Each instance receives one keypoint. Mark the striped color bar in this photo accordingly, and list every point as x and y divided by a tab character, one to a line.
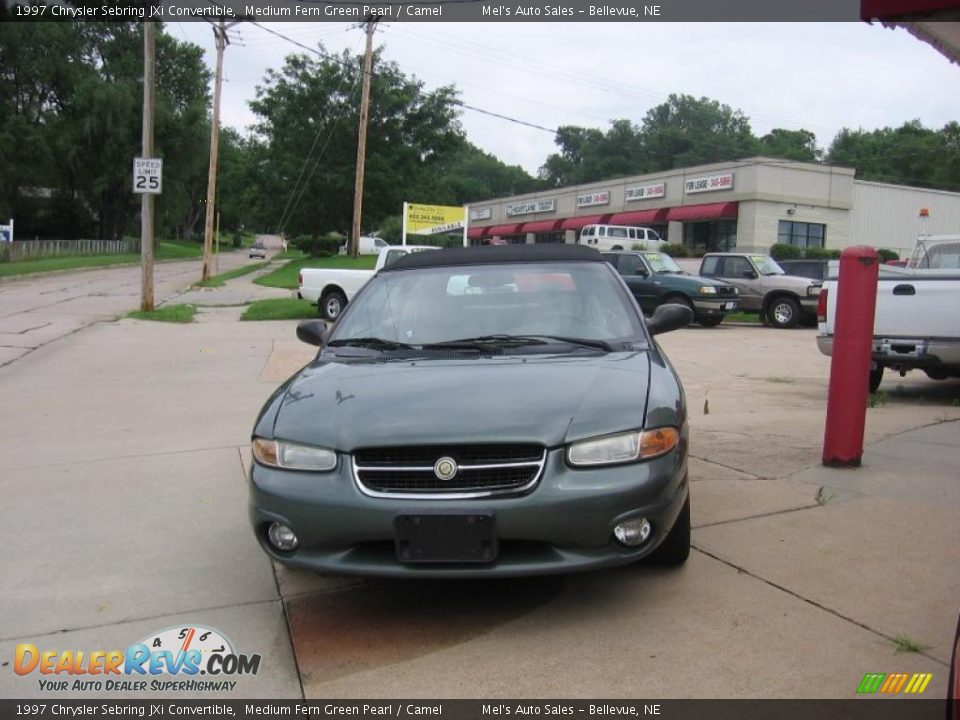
893	683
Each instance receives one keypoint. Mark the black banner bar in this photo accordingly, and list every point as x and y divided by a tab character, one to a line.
442	10
859	709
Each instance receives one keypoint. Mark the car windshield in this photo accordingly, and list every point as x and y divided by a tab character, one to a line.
767	265
662	263
491	304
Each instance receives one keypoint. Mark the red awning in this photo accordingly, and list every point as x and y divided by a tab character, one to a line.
576	223
712	211
640	217
513	229
541	226
476	232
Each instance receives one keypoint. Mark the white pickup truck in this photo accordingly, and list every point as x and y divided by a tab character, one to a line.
330	289
917	319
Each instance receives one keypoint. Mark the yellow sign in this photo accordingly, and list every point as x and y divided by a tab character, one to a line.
433	219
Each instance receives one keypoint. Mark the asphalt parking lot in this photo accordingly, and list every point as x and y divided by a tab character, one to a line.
124	513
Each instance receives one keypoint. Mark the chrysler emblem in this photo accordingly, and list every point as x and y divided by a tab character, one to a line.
445	468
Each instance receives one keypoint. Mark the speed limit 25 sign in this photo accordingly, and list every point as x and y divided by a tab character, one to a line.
148	175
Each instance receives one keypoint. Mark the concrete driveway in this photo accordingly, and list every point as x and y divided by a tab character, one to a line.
123	477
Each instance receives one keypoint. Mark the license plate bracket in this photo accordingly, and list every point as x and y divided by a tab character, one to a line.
446	538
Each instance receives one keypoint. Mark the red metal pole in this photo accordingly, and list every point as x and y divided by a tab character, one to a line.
850	361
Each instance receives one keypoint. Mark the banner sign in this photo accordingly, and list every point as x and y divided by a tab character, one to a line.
645	192
597	198
709	184
6	232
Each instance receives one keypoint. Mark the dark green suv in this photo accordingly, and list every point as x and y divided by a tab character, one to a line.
655	280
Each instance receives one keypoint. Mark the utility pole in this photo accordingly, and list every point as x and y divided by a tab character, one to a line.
220	34
146	200
354	247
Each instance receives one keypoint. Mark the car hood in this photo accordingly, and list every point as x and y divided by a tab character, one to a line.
687	280
548	400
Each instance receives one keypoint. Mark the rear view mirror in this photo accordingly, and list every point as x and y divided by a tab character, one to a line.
312	332
669	317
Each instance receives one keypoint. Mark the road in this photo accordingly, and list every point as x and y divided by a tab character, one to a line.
39	309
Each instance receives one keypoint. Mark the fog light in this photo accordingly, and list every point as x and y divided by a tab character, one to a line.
633	532
282	537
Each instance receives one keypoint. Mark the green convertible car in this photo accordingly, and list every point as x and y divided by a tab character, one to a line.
489	411
656	279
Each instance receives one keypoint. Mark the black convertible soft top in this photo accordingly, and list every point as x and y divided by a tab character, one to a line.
495	255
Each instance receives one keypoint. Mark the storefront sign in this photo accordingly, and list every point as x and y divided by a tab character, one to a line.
598	198
530	208
483	213
709	184
645	192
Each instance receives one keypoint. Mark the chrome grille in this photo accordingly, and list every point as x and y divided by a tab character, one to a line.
483	470
726	291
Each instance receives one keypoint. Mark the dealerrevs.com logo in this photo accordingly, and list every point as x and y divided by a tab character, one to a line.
169	661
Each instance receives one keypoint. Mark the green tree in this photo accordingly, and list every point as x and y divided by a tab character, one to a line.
75	93
309	114
791	144
687	131
910	154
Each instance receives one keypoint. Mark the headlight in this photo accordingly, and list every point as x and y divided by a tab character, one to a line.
623	447
708	290
814	290
293	456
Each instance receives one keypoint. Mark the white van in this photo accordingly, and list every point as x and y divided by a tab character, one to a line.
619	237
368	245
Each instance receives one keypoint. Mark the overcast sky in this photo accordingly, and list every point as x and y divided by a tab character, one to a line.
817	76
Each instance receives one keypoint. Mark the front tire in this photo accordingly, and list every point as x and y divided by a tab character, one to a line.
783	312
675	549
332	304
876	377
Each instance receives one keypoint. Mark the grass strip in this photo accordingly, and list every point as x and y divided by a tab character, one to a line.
279	309
285	277
167	250
168	313
221	279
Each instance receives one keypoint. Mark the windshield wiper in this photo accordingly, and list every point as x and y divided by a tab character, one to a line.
374	343
486	342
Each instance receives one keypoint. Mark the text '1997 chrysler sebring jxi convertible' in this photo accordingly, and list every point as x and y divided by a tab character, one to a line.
489	411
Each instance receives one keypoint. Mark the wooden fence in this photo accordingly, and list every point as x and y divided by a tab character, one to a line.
32	249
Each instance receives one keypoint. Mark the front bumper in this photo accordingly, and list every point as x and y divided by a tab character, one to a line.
715	306
564	524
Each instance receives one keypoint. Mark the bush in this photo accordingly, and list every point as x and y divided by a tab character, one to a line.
782	251
674	250
324	246
887	255
821	253
237	239
391	229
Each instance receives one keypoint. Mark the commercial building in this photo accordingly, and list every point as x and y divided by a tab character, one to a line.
746	205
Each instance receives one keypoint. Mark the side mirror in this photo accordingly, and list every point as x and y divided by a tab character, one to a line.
669	317
749	274
312	332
